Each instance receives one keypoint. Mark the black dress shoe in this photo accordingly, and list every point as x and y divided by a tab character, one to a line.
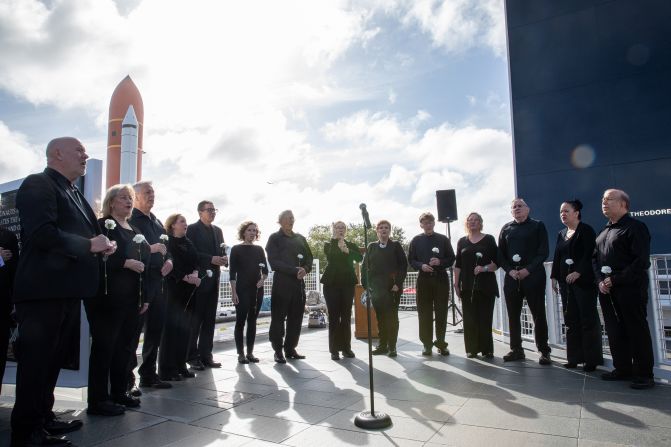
242	359
335	356
186	374
545	359
513	356
570	365
279	358
135	391
106	408
58	427
127	400
392	353
489	355
472	355
212	364
348	353
171	378
38	438
588	368
197	365
615	375
642	383
444	351
294	355
380	350
428	351
252	359
154	382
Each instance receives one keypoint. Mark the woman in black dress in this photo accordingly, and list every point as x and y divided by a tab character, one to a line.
181	282
573	277
339	280
383	271
248	271
475	284
114	314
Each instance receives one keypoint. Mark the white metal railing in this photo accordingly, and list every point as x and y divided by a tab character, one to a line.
226	297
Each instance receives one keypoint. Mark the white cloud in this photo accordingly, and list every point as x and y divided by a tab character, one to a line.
25	158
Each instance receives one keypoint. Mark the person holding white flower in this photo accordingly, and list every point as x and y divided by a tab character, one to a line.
113	315
160	264
61	249
209	242
431	254
291	260
248	271
621	262
339	280
523	247
573	277
475	284
180	284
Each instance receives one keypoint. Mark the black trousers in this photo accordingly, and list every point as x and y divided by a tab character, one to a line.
625	316
478	314
339	300
153	322
247	311
113	330
583	328
532	288
175	340
386	312
203	318
44	328
287	303
433	294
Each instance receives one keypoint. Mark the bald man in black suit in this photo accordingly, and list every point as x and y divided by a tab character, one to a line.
59	265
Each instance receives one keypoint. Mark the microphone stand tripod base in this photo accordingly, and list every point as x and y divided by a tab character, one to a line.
370	420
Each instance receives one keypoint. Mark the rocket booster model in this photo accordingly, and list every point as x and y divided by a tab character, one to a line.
126	109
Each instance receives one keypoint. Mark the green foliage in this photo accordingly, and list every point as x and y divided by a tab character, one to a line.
320	234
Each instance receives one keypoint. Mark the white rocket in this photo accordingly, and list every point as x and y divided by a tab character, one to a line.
128	162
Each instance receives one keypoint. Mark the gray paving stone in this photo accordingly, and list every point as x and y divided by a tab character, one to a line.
254	426
292	411
612	432
333	437
97	429
175	410
474	436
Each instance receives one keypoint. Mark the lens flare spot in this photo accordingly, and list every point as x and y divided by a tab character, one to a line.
583	156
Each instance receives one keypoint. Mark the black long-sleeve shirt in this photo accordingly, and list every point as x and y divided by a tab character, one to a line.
624	246
421	251
152	229
244	265
283	253
384	267
529	240
579	248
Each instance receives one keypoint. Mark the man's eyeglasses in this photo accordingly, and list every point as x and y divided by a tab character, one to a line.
210	210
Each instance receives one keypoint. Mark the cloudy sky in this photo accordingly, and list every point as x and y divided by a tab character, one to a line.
260	106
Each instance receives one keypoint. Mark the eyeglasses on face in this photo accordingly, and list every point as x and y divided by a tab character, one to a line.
210	210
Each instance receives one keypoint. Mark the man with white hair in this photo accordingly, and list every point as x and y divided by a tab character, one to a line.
62	246
621	262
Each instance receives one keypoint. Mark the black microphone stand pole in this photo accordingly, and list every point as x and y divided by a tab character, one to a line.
453	304
370	419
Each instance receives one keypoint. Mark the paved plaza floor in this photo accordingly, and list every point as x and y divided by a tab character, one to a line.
434	400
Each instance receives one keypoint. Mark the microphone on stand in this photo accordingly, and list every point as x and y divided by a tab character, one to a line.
366	218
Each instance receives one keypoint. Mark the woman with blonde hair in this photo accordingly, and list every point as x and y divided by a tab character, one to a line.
339	280
114	314
475	285
248	271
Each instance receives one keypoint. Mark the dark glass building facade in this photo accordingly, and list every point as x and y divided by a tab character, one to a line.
590	86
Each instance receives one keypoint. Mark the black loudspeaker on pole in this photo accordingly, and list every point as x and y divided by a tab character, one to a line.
446	202
370	419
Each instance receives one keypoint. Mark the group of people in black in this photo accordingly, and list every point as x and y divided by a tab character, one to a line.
137	275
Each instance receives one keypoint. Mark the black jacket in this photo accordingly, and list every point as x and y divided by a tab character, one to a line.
198	234
56	225
340	268
8	242
581	248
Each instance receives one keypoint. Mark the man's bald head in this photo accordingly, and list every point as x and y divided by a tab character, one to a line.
68	156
